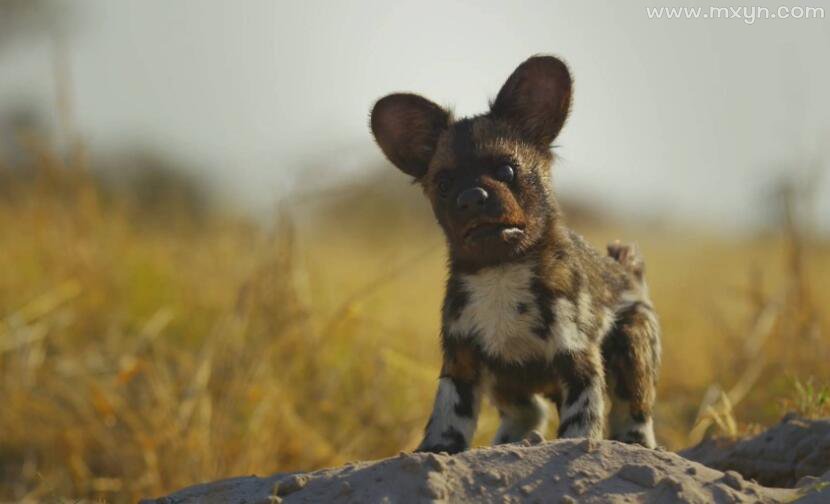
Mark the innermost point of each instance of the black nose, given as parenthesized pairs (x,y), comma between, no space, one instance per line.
(472,198)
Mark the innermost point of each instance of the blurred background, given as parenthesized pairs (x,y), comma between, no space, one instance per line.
(207,268)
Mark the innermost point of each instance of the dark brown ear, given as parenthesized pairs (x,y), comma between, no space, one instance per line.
(407,127)
(536,99)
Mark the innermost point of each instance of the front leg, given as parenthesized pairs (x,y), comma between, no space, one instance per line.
(583,385)
(455,413)
(520,415)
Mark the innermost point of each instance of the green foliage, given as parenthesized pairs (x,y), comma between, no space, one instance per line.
(809,399)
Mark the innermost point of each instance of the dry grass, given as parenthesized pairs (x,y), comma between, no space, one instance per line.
(138,356)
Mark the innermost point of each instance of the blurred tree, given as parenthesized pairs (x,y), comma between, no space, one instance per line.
(36,19)
(24,18)
(156,185)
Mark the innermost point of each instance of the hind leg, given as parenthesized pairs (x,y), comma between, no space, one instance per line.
(631,352)
(519,417)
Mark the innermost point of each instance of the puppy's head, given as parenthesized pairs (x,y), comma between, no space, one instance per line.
(487,176)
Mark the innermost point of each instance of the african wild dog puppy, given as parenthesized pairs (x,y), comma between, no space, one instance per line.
(531,310)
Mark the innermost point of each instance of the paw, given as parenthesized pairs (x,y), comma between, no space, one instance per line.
(641,437)
(533,437)
(588,430)
(628,255)
(451,441)
(449,448)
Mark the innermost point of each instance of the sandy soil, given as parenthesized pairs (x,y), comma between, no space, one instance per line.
(560,471)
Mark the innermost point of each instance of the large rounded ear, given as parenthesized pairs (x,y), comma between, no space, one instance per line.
(536,99)
(407,127)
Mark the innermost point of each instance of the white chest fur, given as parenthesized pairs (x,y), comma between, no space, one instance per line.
(501,312)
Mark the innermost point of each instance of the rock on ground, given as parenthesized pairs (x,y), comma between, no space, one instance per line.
(780,456)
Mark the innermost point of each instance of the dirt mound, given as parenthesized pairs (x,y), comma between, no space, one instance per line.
(780,456)
(794,453)
(560,471)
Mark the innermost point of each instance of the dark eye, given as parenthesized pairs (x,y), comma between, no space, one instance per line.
(505,173)
(444,184)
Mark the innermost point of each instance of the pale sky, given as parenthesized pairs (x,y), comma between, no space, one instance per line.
(688,118)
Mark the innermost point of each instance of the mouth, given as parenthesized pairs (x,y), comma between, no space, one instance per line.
(483,229)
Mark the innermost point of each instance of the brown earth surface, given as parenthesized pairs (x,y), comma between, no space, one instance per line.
(788,462)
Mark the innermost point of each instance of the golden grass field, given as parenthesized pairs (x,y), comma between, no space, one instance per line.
(141,354)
